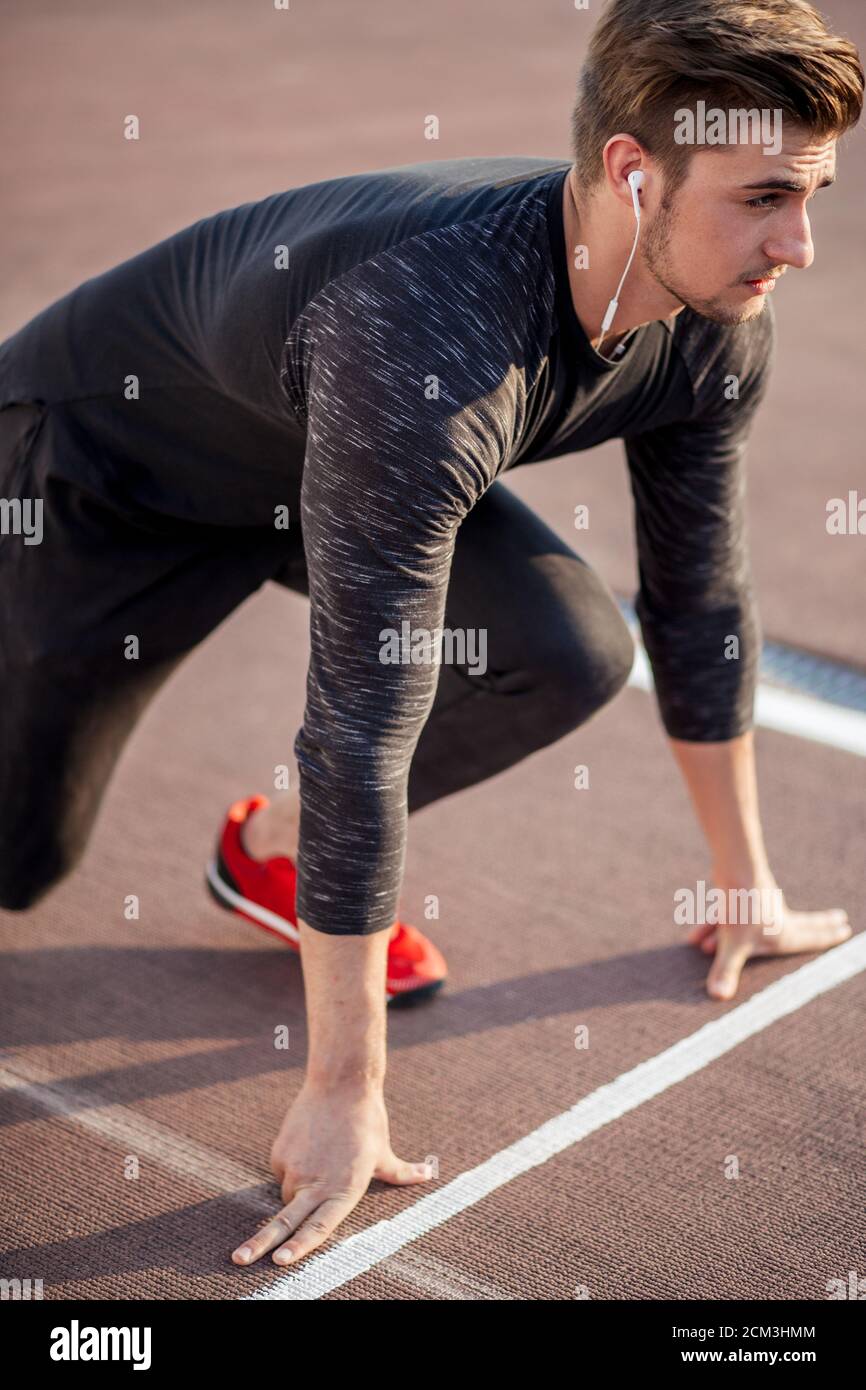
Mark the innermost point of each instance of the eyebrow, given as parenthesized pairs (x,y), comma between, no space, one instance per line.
(787,185)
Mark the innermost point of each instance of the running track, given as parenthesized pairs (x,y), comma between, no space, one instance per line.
(563,1172)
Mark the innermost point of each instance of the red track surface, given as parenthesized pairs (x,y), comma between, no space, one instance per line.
(558,911)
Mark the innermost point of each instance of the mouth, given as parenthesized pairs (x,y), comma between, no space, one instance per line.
(763,286)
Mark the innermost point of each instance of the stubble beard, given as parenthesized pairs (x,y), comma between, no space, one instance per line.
(656,257)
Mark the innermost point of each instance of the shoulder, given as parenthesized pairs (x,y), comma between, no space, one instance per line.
(465,303)
(424,352)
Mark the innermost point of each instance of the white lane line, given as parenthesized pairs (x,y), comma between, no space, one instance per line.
(441,1280)
(831,681)
(835,682)
(807,717)
(330,1269)
(788,713)
(136,1134)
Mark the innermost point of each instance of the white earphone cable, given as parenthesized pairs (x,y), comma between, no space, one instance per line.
(614,303)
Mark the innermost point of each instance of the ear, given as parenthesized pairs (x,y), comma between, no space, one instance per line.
(623,155)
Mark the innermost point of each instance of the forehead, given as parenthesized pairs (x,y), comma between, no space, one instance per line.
(801,157)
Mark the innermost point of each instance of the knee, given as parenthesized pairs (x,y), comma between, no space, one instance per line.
(584,675)
(17,896)
(23,886)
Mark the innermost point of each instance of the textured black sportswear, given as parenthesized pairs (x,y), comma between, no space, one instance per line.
(375,351)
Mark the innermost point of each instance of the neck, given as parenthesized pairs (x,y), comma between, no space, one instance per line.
(608,234)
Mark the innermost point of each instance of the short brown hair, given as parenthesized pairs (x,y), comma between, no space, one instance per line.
(647,58)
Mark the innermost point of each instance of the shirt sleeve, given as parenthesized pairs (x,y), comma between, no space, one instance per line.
(695,603)
(392,466)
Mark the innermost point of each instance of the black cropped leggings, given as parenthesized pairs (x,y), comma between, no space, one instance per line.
(557,648)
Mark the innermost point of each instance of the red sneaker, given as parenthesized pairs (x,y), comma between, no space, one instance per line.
(263,891)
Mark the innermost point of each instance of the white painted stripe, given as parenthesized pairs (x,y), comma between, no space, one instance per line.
(440,1280)
(137,1134)
(330,1269)
(788,712)
(835,682)
(146,1138)
(641,672)
(809,718)
(813,675)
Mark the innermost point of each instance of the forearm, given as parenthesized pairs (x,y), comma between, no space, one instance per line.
(344,986)
(722,782)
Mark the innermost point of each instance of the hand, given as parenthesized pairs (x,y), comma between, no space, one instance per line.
(774,930)
(330,1144)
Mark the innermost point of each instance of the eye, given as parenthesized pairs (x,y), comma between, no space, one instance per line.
(768,200)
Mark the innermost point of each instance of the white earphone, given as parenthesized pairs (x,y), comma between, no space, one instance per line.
(635,183)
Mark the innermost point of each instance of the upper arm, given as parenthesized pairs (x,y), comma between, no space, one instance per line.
(688,478)
(695,604)
(390,471)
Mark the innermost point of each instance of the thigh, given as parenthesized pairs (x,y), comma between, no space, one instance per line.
(292,571)
(514,576)
(99,570)
(97,606)
(553,645)
(542,605)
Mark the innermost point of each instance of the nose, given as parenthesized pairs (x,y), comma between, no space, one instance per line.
(793,246)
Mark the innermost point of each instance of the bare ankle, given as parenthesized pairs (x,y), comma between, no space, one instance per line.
(273,829)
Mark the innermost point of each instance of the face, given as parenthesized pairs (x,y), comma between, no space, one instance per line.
(723,240)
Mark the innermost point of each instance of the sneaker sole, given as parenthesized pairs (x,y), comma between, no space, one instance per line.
(224,890)
(223,887)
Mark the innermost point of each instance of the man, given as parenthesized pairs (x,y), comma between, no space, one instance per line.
(369,355)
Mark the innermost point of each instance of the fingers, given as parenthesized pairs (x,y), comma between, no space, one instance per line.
(274,1232)
(700,932)
(307,1220)
(797,933)
(318,1226)
(731,955)
(827,922)
(809,931)
(705,937)
(400,1172)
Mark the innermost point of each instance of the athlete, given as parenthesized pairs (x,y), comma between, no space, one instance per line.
(363,359)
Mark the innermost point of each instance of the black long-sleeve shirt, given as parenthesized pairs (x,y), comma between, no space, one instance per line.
(391,343)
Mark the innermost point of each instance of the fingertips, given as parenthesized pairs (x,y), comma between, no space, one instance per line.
(399,1173)
(697,933)
(724,978)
